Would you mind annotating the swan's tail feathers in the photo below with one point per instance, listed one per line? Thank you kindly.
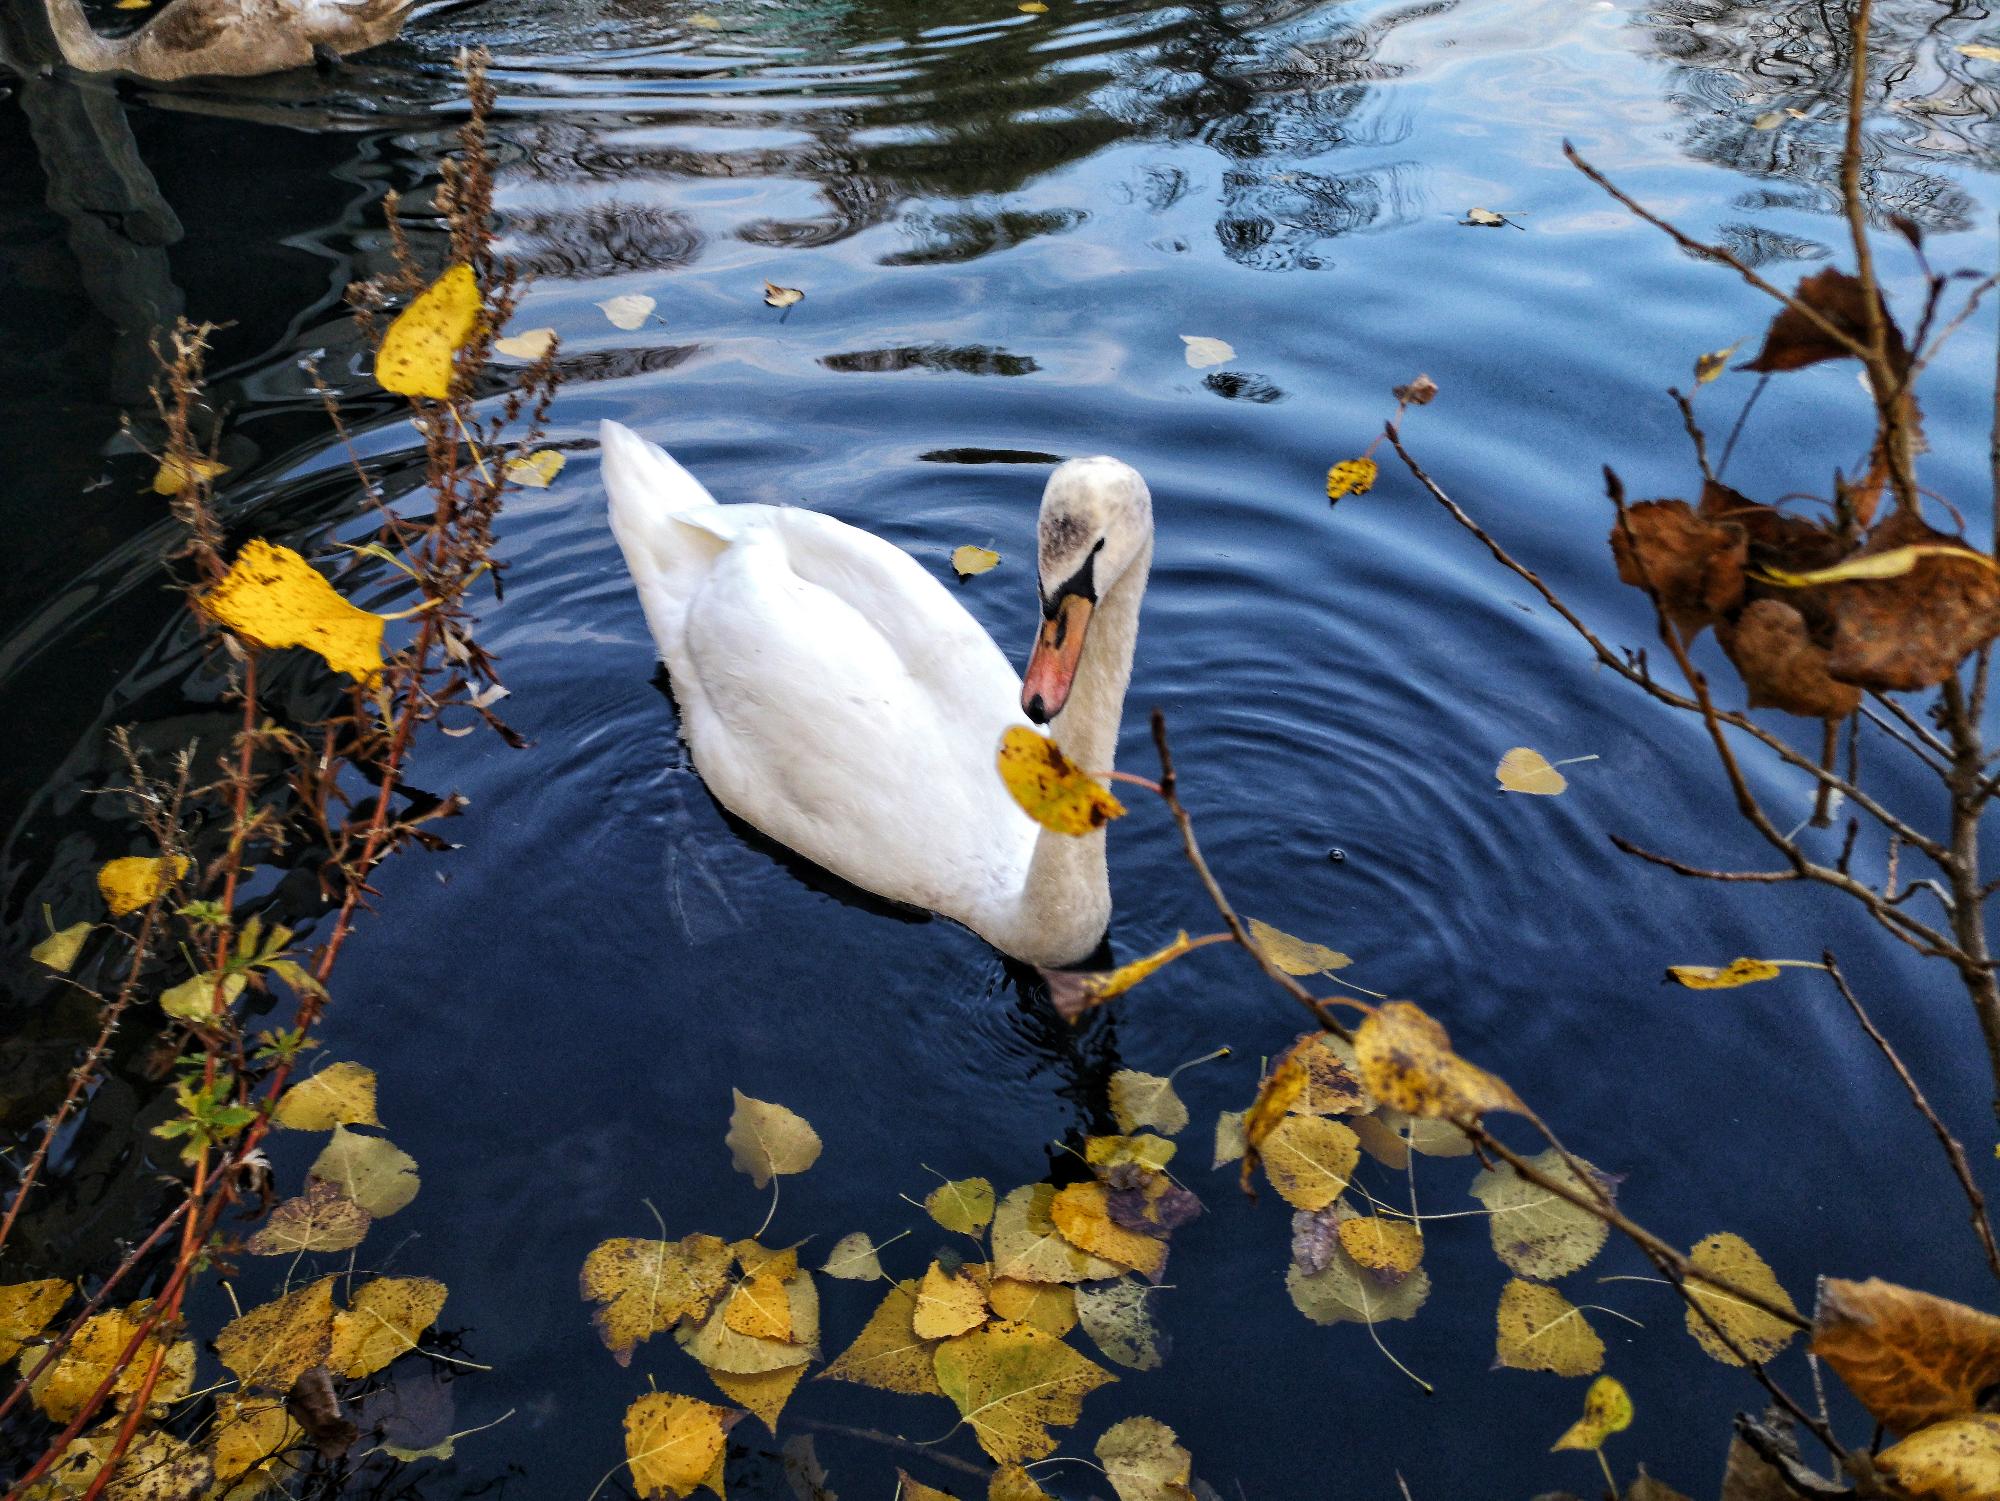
(669, 528)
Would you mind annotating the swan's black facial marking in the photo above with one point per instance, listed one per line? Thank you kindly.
(1083, 582)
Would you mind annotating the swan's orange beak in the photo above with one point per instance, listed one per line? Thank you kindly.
(1052, 665)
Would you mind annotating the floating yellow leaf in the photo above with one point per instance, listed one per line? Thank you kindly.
(768, 1141)
(759, 1305)
(25, 1310)
(965, 1206)
(628, 310)
(1910, 1358)
(274, 597)
(58, 951)
(1537, 1233)
(1957, 1460)
(250, 1435)
(1982, 50)
(1350, 477)
(1736, 972)
(382, 1323)
(1028, 1247)
(1145, 1462)
(1759, 1334)
(1390, 1248)
(888, 1354)
(1102, 987)
(1153, 1152)
(1049, 1306)
(1275, 1097)
(1229, 1138)
(969, 560)
(1033, 7)
(764, 1393)
(131, 882)
(1333, 1076)
(1202, 352)
(1010, 1382)
(674, 1444)
(1525, 770)
(1118, 1317)
(531, 344)
(1082, 1213)
(1309, 1159)
(320, 1219)
(417, 351)
(777, 296)
(1344, 1292)
(1407, 1063)
(273, 1345)
(649, 1286)
(341, 1094)
(535, 470)
(910, 1489)
(1538, 1329)
(1146, 1100)
(176, 475)
(1892, 563)
(721, 1347)
(704, 21)
(1295, 956)
(1012, 1482)
(853, 1258)
(948, 1303)
(1606, 1410)
(371, 1170)
(132, 5)
(1709, 366)
(1056, 794)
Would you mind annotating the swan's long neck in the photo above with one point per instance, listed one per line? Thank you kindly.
(1066, 900)
(81, 45)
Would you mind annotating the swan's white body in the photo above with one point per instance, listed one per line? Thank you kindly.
(836, 696)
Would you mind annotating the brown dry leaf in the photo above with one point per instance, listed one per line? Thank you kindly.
(1911, 1359)
(674, 1444)
(1010, 1382)
(1537, 1233)
(1333, 1076)
(382, 1323)
(1049, 1306)
(1792, 342)
(1538, 1329)
(767, 1140)
(273, 1345)
(274, 597)
(948, 1303)
(764, 1393)
(1407, 1063)
(1606, 1410)
(1389, 1248)
(1759, 1334)
(131, 881)
(1525, 769)
(1056, 794)
(1691, 563)
(964, 1206)
(1900, 634)
(418, 349)
(25, 1310)
(1280, 1090)
(1141, 1101)
(1028, 1247)
(1082, 1213)
(320, 1219)
(888, 1354)
(1296, 956)
(648, 1286)
(1145, 1462)
(339, 1094)
(1309, 1160)
(1957, 1460)
(969, 560)
(1728, 977)
(1418, 393)
(1118, 1317)
(1782, 667)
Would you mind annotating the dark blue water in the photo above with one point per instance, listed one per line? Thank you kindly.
(1003, 224)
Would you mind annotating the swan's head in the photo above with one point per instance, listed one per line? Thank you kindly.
(1097, 522)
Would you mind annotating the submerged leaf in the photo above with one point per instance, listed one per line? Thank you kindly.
(1140, 1101)
(1541, 1330)
(764, 1393)
(1050, 790)
(1010, 1382)
(1343, 1291)
(853, 1259)
(416, 357)
(274, 597)
(1606, 1410)
(1049, 1306)
(1118, 1317)
(767, 1140)
(1230, 1143)
(320, 1219)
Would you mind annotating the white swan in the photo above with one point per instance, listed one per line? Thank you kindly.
(838, 698)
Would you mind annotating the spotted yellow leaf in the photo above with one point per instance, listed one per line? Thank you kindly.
(535, 470)
(646, 1287)
(1736, 972)
(1750, 1329)
(274, 597)
(1538, 1329)
(1957, 1460)
(383, 1323)
(341, 1094)
(417, 353)
(1710, 365)
(1606, 1410)
(674, 1444)
(1350, 477)
(1407, 1063)
(25, 1310)
(1050, 790)
(1011, 1382)
(130, 882)
(777, 296)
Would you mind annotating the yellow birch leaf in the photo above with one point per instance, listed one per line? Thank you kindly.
(648, 1286)
(764, 1393)
(964, 1206)
(1981, 50)
(530, 344)
(1082, 1214)
(753, 1258)
(417, 351)
(132, 881)
(1538, 1329)
(1893, 563)
(1382, 1140)
(25, 1310)
(628, 310)
(193, 1000)
(341, 1094)
(382, 1323)
(91, 1355)
(768, 1141)
(1011, 1482)
(1957, 1460)
(1146, 1100)
(534, 471)
(1114, 982)
(1030, 7)
(760, 1306)
(1711, 365)
(1010, 1382)
(58, 952)
(1344, 1292)
(1145, 1462)
(888, 1354)
(1350, 477)
(1146, 1151)
(1295, 956)
(1761, 1335)
(1537, 1233)
(1309, 1160)
(970, 560)
(1280, 1090)
(1524, 769)
(911, 1489)
(1230, 1144)
(1049, 1306)
(1202, 351)
(1333, 1076)
(1390, 1248)
(722, 1348)
(1118, 1317)
(274, 597)
(948, 1303)
(1056, 794)
(1736, 972)
(176, 475)
(674, 1444)
(1407, 1064)
(1606, 1410)
(250, 1435)
(1028, 1247)
(371, 1170)
(274, 1344)
(853, 1259)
